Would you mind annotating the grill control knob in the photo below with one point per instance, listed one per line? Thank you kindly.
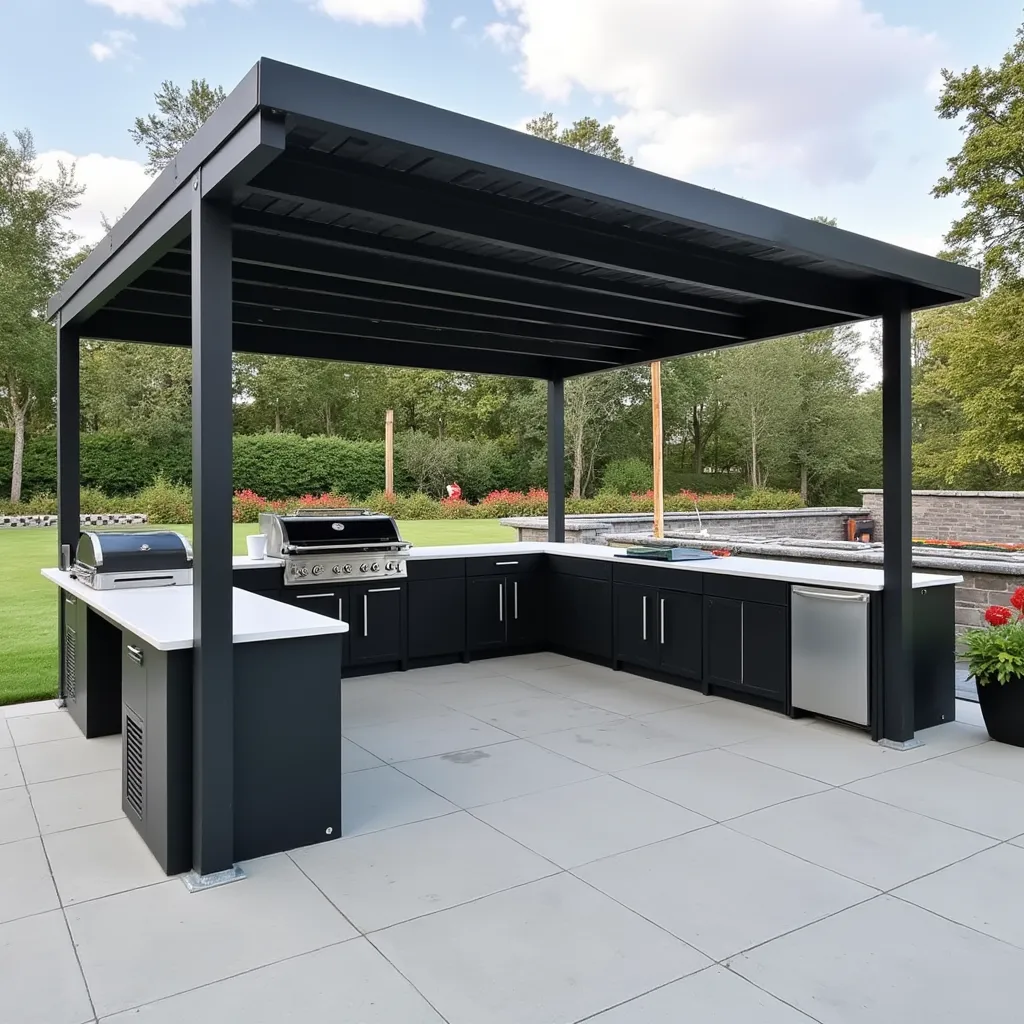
(389, 566)
(364, 568)
(317, 569)
(336, 570)
(302, 571)
(346, 568)
(375, 566)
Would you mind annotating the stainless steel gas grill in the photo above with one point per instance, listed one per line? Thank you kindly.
(339, 544)
(115, 560)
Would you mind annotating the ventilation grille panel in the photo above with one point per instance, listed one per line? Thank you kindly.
(69, 663)
(134, 764)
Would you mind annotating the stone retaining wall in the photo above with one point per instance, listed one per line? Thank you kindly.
(105, 519)
(959, 515)
(810, 523)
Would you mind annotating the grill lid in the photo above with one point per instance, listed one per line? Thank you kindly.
(117, 551)
(337, 529)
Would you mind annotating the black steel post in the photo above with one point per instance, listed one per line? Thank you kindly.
(68, 464)
(556, 460)
(213, 685)
(897, 693)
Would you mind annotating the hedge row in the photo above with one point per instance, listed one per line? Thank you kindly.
(165, 502)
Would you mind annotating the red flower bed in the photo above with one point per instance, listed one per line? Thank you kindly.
(971, 545)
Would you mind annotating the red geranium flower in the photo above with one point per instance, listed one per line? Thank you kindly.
(1018, 599)
(998, 615)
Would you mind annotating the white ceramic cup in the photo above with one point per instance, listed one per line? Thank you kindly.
(257, 545)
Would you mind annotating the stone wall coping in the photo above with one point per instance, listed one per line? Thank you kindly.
(838, 551)
(952, 494)
(589, 519)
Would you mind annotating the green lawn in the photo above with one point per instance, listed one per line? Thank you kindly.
(28, 603)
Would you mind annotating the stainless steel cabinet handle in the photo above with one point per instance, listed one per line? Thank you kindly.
(366, 615)
(663, 620)
(830, 595)
(135, 654)
(506, 563)
(310, 597)
(383, 590)
(645, 616)
(515, 597)
(501, 602)
(341, 610)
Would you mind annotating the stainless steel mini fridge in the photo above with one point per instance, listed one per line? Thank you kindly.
(830, 645)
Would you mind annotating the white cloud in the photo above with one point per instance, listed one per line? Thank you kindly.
(755, 87)
(114, 43)
(458, 22)
(384, 13)
(111, 183)
(165, 12)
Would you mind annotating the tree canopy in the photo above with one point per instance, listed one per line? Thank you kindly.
(180, 114)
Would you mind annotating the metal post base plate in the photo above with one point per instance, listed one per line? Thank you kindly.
(901, 744)
(198, 883)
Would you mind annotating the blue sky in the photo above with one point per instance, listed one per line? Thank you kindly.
(816, 106)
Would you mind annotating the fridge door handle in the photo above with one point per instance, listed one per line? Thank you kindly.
(831, 595)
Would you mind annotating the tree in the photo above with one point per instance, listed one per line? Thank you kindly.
(988, 172)
(759, 383)
(692, 406)
(974, 377)
(35, 247)
(591, 404)
(181, 115)
(587, 134)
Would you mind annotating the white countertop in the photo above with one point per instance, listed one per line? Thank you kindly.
(162, 616)
(811, 574)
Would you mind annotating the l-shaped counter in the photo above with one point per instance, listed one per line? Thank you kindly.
(719, 625)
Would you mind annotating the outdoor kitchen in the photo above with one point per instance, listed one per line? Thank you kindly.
(226, 678)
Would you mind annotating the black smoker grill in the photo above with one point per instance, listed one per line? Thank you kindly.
(113, 560)
(335, 544)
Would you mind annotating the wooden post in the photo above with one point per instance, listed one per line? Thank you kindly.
(658, 444)
(389, 453)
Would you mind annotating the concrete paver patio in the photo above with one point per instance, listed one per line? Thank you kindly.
(535, 840)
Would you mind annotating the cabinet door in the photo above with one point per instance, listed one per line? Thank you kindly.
(526, 604)
(723, 641)
(486, 619)
(437, 617)
(680, 633)
(765, 649)
(376, 625)
(581, 615)
(636, 641)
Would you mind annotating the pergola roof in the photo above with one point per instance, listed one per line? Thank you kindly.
(373, 228)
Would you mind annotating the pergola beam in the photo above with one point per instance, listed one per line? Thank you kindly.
(546, 232)
(358, 316)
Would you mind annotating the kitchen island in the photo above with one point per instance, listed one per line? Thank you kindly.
(127, 659)
(724, 626)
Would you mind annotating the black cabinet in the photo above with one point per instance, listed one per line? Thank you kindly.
(580, 615)
(156, 749)
(723, 641)
(680, 634)
(437, 617)
(505, 611)
(526, 608)
(635, 635)
(765, 650)
(485, 612)
(658, 629)
(376, 618)
(91, 668)
(746, 646)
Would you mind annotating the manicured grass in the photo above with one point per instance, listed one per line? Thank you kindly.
(28, 603)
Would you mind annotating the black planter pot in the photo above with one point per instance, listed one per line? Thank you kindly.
(1002, 707)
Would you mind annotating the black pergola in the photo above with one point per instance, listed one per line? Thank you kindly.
(314, 217)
